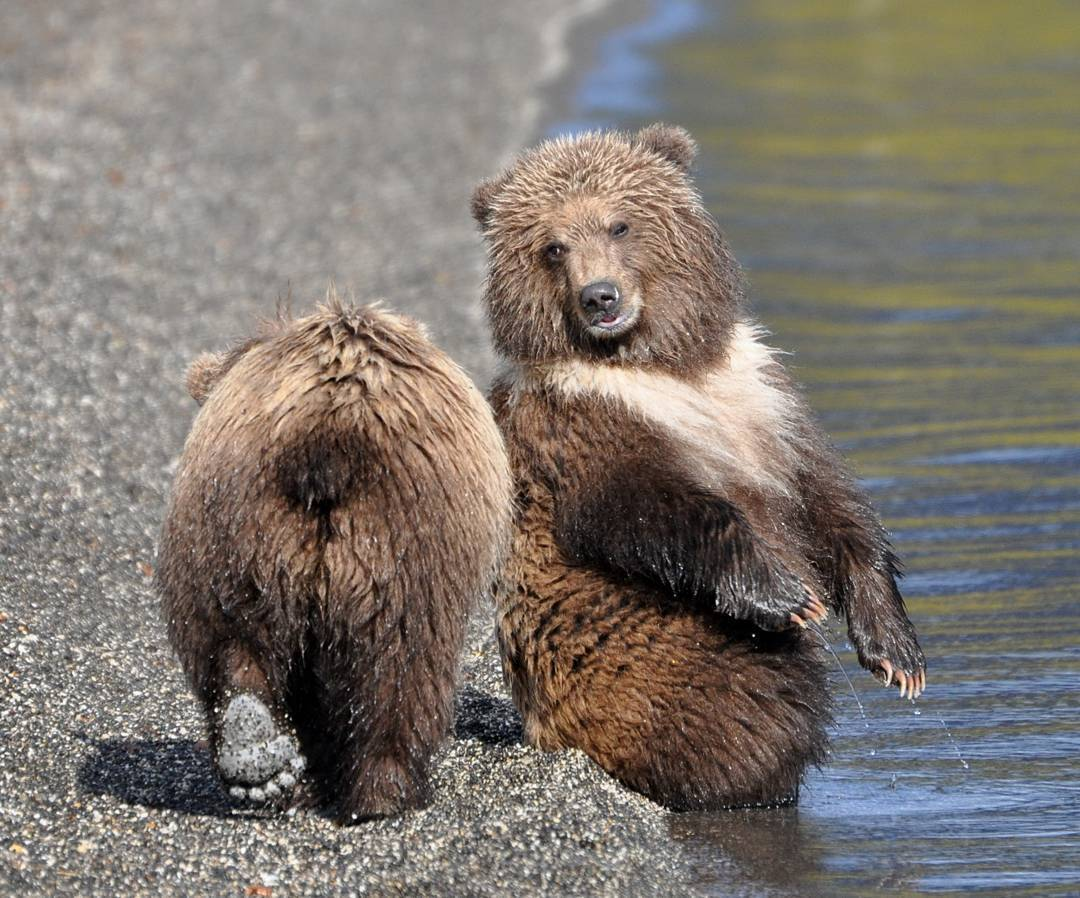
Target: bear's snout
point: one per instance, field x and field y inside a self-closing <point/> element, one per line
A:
<point x="600" y="301"/>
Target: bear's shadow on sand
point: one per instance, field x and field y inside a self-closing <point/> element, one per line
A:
<point x="490" y="719"/>
<point x="178" y="774"/>
<point x="168" y="774"/>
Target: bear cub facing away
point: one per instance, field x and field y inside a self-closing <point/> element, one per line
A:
<point x="681" y="518"/>
<point x="342" y="500"/>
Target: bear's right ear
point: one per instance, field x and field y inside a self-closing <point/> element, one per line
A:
<point x="484" y="195"/>
<point x="670" y="142"/>
<point x="203" y="373"/>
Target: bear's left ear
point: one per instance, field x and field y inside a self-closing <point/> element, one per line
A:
<point x="670" y="142"/>
<point x="203" y="373"/>
<point x="208" y="368"/>
<point x="484" y="195"/>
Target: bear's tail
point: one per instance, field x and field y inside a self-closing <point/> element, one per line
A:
<point x="319" y="474"/>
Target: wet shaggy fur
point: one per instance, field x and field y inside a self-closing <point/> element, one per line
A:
<point x="341" y="502"/>
<point x="681" y="517"/>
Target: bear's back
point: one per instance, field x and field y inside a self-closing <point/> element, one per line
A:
<point x="341" y="451"/>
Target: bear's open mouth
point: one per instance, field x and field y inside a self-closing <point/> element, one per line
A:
<point x="613" y="323"/>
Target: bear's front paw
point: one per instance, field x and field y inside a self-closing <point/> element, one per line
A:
<point x="912" y="683"/>
<point x="257" y="761"/>
<point x="811" y="609"/>
<point x="776" y="600"/>
<point x="896" y="661"/>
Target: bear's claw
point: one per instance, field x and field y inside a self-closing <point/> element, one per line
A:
<point x="814" y="611"/>
<point x="912" y="685"/>
<point x="784" y="601"/>
<point x="257" y="762"/>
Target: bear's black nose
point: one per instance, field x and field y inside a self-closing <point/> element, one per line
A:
<point x="600" y="297"/>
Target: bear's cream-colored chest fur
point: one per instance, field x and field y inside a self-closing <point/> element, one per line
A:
<point x="736" y="424"/>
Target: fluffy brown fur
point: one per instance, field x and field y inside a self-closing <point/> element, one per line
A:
<point x="680" y="513"/>
<point x="342" y="500"/>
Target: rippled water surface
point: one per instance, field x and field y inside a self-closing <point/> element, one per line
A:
<point x="902" y="182"/>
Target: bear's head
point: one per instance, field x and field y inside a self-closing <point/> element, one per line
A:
<point x="600" y="247"/>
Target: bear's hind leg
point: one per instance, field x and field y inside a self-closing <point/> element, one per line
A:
<point x="255" y="752"/>
<point x="385" y="785"/>
<point x="382" y="739"/>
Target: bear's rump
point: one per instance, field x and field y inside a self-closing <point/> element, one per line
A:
<point x="693" y="709"/>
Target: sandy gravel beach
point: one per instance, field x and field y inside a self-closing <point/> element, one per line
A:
<point x="167" y="171"/>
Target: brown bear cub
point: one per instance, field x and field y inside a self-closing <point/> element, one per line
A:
<point x="681" y="518"/>
<point x="342" y="500"/>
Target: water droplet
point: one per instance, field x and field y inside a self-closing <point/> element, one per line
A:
<point x="952" y="742"/>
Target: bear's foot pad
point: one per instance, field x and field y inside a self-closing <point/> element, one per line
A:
<point x="258" y="762"/>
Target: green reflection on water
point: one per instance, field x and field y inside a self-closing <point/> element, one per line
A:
<point x="902" y="182"/>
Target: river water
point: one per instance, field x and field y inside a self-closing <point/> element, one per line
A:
<point x="902" y="184"/>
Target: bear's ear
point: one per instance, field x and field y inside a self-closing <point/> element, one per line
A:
<point x="670" y="142"/>
<point x="484" y="195"/>
<point x="208" y="368"/>
<point x="203" y="373"/>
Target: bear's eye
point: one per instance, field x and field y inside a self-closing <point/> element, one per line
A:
<point x="620" y="229"/>
<point x="554" y="252"/>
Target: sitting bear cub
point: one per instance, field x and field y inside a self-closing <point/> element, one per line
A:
<point x="341" y="502"/>
<point x="681" y="518"/>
